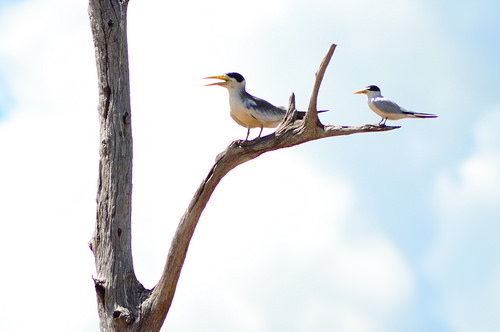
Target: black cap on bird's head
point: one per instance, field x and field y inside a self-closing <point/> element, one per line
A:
<point x="238" y="77"/>
<point x="372" y="88"/>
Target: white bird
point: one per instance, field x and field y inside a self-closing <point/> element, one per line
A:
<point x="386" y="108"/>
<point x="249" y="111"/>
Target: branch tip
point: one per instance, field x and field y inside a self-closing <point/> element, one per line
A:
<point x="312" y="111"/>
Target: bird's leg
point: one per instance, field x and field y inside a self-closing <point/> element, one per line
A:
<point x="248" y="133"/>
<point x="261" y="127"/>
<point x="382" y="122"/>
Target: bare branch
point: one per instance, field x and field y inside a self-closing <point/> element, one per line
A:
<point x="312" y="111"/>
<point x="290" y="133"/>
<point x="291" y="113"/>
<point x="235" y="154"/>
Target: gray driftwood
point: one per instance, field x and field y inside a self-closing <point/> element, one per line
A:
<point x="123" y="303"/>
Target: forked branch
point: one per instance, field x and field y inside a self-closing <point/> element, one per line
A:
<point x="290" y="133"/>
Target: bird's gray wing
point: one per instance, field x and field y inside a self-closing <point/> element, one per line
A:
<point x="388" y="106"/>
<point x="264" y="111"/>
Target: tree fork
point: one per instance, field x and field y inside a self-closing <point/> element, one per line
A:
<point x="289" y="134"/>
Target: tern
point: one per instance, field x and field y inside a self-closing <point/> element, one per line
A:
<point x="246" y="110"/>
<point x="386" y="108"/>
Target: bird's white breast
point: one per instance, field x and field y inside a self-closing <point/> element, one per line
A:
<point x="241" y="114"/>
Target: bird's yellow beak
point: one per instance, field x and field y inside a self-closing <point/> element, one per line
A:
<point x="359" y="92"/>
<point x="224" y="78"/>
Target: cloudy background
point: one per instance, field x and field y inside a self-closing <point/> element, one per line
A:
<point x="393" y="231"/>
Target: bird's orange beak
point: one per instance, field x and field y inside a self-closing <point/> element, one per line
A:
<point x="359" y="92"/>
<point x="224" y="79"/>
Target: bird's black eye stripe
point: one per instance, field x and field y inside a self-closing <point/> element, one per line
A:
<point x="236" y="76"/>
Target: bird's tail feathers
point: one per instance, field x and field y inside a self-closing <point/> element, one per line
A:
<point x="302" y="114"/>
<point x="421" y="115"/>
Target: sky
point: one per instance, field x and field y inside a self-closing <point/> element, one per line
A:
<point x="390" y="231"/>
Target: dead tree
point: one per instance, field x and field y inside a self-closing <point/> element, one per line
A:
<point x="123" y="303"/>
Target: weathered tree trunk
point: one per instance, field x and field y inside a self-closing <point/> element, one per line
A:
<point x="119" y="294"/>
<point x="123" y="303"/>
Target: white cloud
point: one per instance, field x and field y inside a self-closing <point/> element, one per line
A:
<point x="48" y="177"/>
<point x="49" y="165"/>
<point x="463" y="262"/>
<point x="473" y="188"/>
<point x="274" y="237"/>
<point x="323" y="316"/>
<point x="47" y="54"/>
<point x="372" y="269"/>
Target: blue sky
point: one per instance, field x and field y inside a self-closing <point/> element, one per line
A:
<point x="394" y="231"/>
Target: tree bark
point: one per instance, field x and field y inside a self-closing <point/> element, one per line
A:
<point x="119" y="294"/>
<point x="123" y="303"/>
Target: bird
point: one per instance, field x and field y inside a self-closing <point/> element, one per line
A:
<point x="246" y="110"/>
<point x="386" y="108"/>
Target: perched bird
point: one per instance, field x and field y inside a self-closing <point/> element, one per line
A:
<point x="386" y="108"/>
<point x="249" y="111"/>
